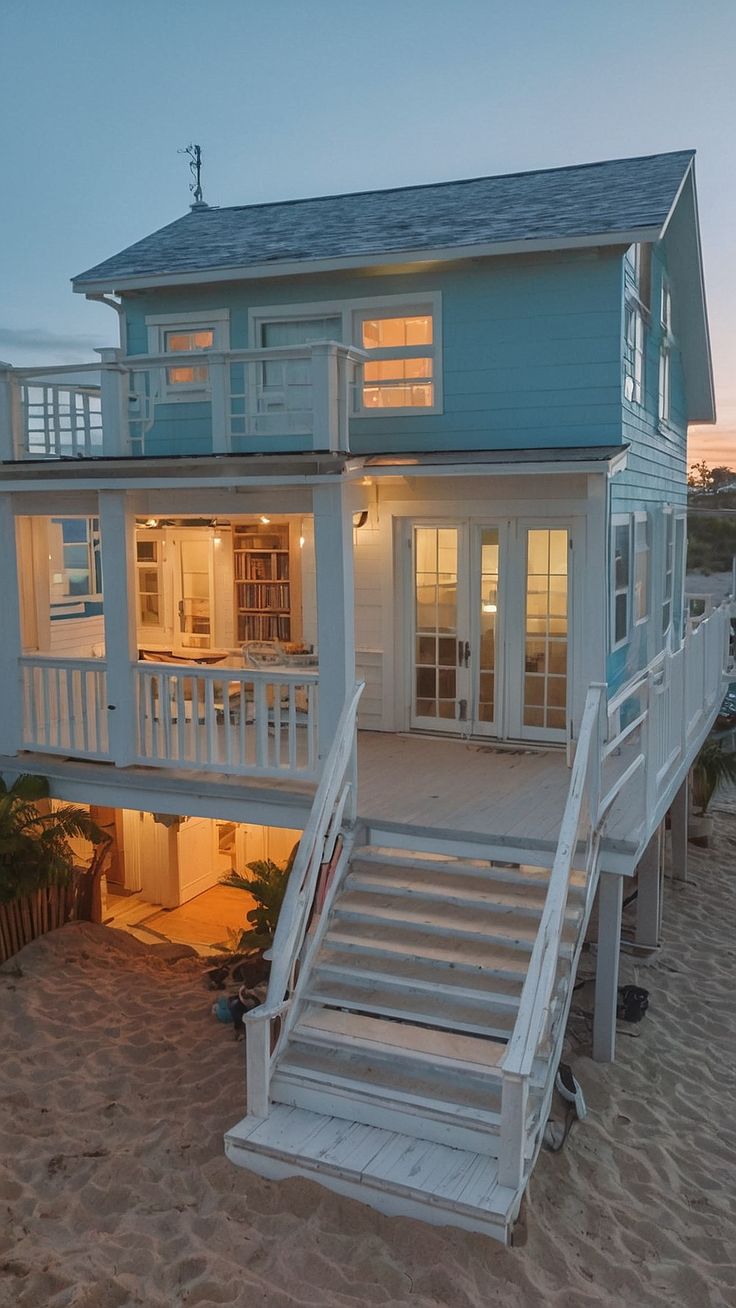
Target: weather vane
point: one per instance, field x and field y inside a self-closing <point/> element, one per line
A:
<point x="194" y="154"/>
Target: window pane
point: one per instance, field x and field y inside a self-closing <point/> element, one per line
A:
<point x="621" y="620"/>
<point x="392" y="333"/>
<point x="301" y="331"/>
<point x="398" y="397"/>
<point x="396" y="370"/>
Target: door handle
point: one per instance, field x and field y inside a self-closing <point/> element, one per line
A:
<point x="467" y="653"/>
<point x="463" y="653"/>
<point x="181" y="614"/>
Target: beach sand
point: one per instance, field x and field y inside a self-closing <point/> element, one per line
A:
<point x="116" y="1085"/>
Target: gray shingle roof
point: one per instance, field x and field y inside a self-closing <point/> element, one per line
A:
<point x="587" y="200"/>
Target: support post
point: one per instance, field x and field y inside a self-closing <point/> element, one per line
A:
<point x="610" y="900"/>
<point x="649" y="893"/>
<point x="10" y="415"/>
<point x="514" y="1099"/>
<point x="325" y="416"/>
<point x="117" y="541"/>
<point x="678" y="830"/>
<point x="11" y="647"/>
<point x="114" y="404"/>
<point x="219" y="405"/>
<point x="333" y="547"/>
<point x="257" y="1065"/>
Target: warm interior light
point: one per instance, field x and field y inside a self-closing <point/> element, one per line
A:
<point x="151" y="522"/>
<point x="489" y="608"/>
<point x="301" y="542"/>
<point x="265" y="520"/>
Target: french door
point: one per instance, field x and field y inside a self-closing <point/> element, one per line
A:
<point x="490" y="617"/>
<point x="193" y="590"/>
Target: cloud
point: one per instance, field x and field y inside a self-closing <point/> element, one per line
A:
<point x="40" y="345"/>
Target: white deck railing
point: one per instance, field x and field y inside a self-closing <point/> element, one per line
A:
<point x="65" y="706"/>
<point x="243" y="721"/>
<point x="631" y="753"/>
<point x="242" y="401"/>
<point x="318" y="848"/>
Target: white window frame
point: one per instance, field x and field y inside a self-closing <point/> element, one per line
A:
<point x="619" y="520"/>
<point x="93" y="547"/>
<point x="664" y="389"/>
<point x="352" y="312"/>
<point x="641" y="520"/>
<point x="668" y="570"/>
<point x="162" y="324"/>
<point x="633" y="352"/>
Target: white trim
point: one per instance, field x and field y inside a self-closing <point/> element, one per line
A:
<point x="640" y="516"/>
<point x="351" y="311"/>
<point x="387" y="259"/>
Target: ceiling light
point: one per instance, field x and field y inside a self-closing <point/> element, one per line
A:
<point x="265" y="520"/>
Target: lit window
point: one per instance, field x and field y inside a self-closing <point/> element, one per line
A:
<point x="641" y="567"/>
<point x="148" y="565"/>
<point x="399" y="372"/>
<point x="621" y="582"/>
<point x="178" y="342"/>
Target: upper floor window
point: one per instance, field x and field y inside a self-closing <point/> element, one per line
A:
<point x="633" y="354"/>
<point x="664" y="408"/>
<point x="183" y="334"/>
<point x="669" y="569"/>
<point x="399" y="372"/>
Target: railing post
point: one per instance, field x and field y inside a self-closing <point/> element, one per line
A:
<point x="333" y="543"/>
<point x="219" y="405"/>
<point x="514" y="1098"/>
<point x="649" y="738"/>
<point x="11" y="442"/>
<point x="117" y="541"/>
<point x="11" y="674"/>
<point x="257" y="1064"/>
<point x="114" y="404"/>
<point x="325" y="408"/>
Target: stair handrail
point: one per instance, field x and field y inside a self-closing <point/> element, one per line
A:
<point x="536" y="994"/>
<point x="328" y="806"/>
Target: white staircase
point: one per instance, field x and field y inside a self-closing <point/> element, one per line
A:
<point x="420" y="1035"/>
<point x="400" y="1021"/>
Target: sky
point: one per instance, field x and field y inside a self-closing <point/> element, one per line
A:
<point x="292" y="98"/>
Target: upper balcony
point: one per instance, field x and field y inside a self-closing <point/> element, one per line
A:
<point x="281" y="399"/>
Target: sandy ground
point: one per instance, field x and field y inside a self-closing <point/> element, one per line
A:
<point x="116" y="1085"/>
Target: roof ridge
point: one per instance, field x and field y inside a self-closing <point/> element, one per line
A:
<point x="425" y="186"/>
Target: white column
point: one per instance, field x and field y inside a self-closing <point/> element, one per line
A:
<point x="219" y="403"/>
<point x="678" y="831"/>
<point x="649" y="893"/>
<point x="11" y="685"/>
<point x="333" y="547"/>
<point x="10" y="414"/>
<point x="114" y="402"/>
<point x="325" y="415"/>
<point x="117" y="540"/>
<point x="610" y="899"/>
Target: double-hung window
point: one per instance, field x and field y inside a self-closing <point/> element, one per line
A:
<point x="620" y="581"/>
<point x="642" y="555"/>
<point x="665" y="354"/>
<point x="399" y="372"/>
<point x="75" y="570"/>
<point x="634" y="354"/>
<point x="186" y="334"/>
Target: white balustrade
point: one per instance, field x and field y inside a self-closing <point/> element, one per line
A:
<point x="123" y="405"/>
<point x="242" y="721"/>
<point x="65" y="706"/>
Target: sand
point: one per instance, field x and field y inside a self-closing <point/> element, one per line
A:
<point x="117" y="1084"/>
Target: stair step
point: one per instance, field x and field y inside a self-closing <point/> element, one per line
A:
<point x="440" y="864"/>
<point x="428" y="977"/>
<point x="395" y="913"/>
<point x="401" y="1040"/>
<point x="439" y="1010"/>
<point x="459" y="891"/>
<point x="468" y="957"/>
<point x="393" y="1172"/>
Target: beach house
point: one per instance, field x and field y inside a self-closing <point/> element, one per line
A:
<point x="411" y="461"/>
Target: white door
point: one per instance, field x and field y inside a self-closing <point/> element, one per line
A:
<point x="193" y="591"/>
<point x="490" y="618"/>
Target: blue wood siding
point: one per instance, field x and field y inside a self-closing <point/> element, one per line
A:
<point x="531" y="353"/>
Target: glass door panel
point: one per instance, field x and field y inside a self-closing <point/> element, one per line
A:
<point x="544" y="692"/>
<point x="437" y="628"/>
<point x="195" y="618"/>
<point x="485" y="640"/>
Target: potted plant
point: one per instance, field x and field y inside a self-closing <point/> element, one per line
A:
<point x="712" y="766"/>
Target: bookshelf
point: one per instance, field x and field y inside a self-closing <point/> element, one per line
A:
<point x="263" y="582"/>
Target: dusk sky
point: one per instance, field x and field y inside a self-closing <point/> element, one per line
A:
<point x="293" y="98"/>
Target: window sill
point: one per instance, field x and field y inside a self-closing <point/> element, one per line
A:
<point x="418" y="412"/>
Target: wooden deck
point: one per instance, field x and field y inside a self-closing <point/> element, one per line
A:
<point x="513" y="793"/>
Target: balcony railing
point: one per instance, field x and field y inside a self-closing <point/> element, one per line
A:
<point x="288" y="398"/>
<point x="244" y="722"/>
